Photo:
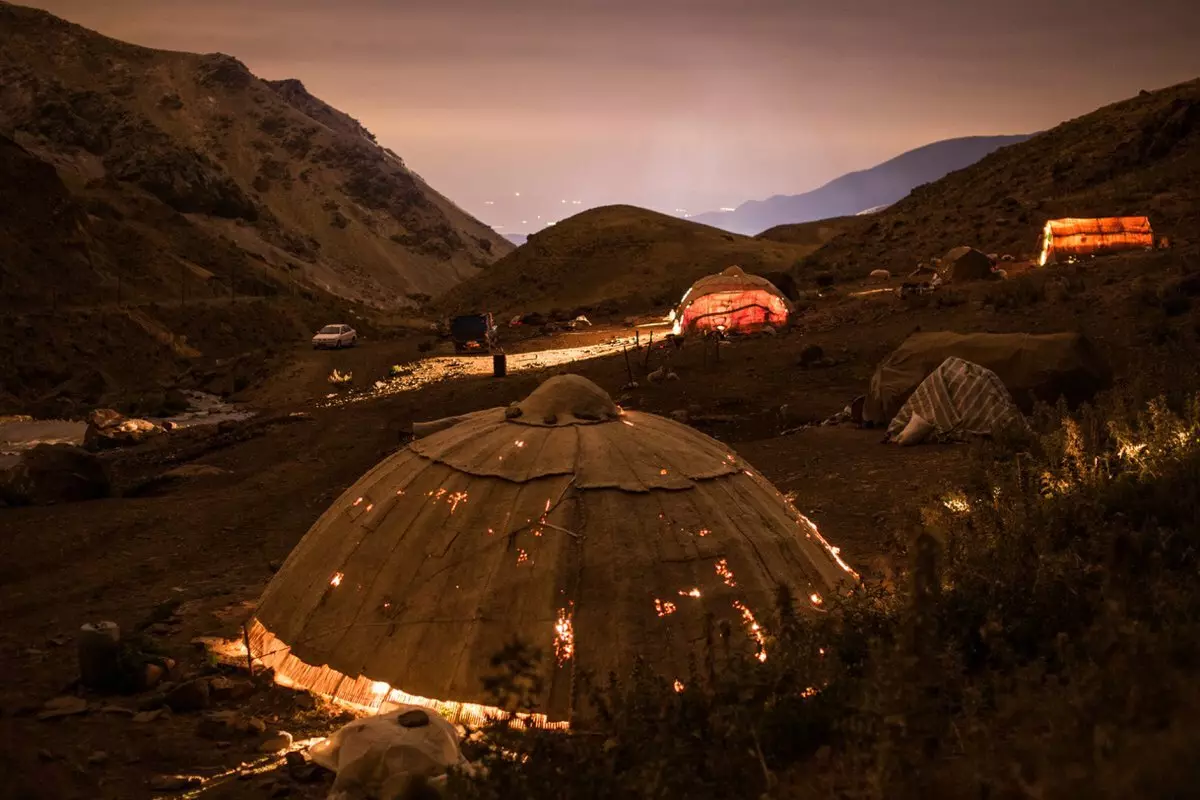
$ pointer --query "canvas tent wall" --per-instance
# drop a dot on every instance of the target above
(731, 301)
(1032, 367)
(597, 536)
(960, 399)
(1077, 237)
(966, 264)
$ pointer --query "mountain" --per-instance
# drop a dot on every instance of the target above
(1140, 156)
(272, 181)
(168, 220)
(615, 258)
(809, 234)
(859, 191)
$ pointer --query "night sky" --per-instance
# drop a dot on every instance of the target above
(674, 104)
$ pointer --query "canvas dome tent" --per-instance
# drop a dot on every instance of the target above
(731, 301)
(1031, 366)
(1076, 237)
(596, 535)
(957, 400)
(966, 264)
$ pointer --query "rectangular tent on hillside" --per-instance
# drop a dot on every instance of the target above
(1074, 237)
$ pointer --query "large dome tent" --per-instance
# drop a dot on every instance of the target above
(599, 536)
(731, 301)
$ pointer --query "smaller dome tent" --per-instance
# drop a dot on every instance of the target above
(601, 537)
(731, 301)
(959, 399)
(966, 264)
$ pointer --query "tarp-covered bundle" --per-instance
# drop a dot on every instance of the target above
(595, 535)
(966, 264)
(1075, 237)
(960, 399)
(1031, 366)
(731, 301)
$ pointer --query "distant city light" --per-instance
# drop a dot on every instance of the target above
(575, 202)
(562, 201)
(517, 194)
(524, 222)
(728, 209)
(489, 202)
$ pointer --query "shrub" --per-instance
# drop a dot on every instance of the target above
(1044, 643)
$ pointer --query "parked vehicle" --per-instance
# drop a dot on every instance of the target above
(335, 336)
(473, 332)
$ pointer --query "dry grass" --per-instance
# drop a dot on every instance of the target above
(618, 256)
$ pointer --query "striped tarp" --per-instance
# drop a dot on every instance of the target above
(960, 398)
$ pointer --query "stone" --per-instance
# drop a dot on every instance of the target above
(226, 689)
(55, 473)
(172, 783)
(65, 706)
(810, 355)
(147, 716)
(680, 415)
(108, 429)
(279, 740)
(193, 695)
(98, 757)
(416, 718)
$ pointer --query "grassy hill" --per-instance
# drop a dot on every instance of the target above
(1139, 156)
(626, 258)
(809, 234)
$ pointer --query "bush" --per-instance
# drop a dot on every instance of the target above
(1044, 644)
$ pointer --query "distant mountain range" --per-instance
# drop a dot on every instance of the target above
(517, 238)
(858, 192)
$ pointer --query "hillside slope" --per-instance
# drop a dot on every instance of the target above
(620, 257)
(858, 191)
(1139, 157)
(809, 234)
(192, 152)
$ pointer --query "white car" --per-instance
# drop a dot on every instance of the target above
(336, 336)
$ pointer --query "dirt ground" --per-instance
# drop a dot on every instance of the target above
(192, 557)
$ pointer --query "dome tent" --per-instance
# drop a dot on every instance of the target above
(731, 301)
(595, 535)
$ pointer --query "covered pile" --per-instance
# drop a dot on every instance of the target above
(959, 399)
(596, 535)
(731, 301)
(1031, 366)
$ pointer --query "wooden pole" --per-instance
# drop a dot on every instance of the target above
(628, 367)
(649, 347)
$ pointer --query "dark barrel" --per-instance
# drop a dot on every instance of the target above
(499, 365)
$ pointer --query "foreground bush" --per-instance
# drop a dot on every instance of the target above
(1044, 644)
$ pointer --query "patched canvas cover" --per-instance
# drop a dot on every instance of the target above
(1032, 367)
(732, 300)
(598, 536)
(961, 399)
(1064, 238)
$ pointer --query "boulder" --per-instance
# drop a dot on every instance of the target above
(880, 275)
(108, 429)
(55, 473)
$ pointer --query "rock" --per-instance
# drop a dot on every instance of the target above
(880, 275)
(189, 471)
(108, 429)
(281, 740)
(226, 689)
(143, 717)
(98, 757)
(65, 706)
(193, 695)
(172, 783)
(152, 676)
(253, 725)
(55, 473)
(680, 415)
(416, 718)
(811, 355)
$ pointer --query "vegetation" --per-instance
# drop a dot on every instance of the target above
(1043, 643)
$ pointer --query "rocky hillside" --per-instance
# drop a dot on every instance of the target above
(856, 192)
(618, 258)
(1140, 156)
(219, 172)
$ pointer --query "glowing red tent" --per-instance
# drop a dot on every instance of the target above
(1063, 239)
(731, 301)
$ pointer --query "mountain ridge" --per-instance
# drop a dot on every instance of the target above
(861, 190)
